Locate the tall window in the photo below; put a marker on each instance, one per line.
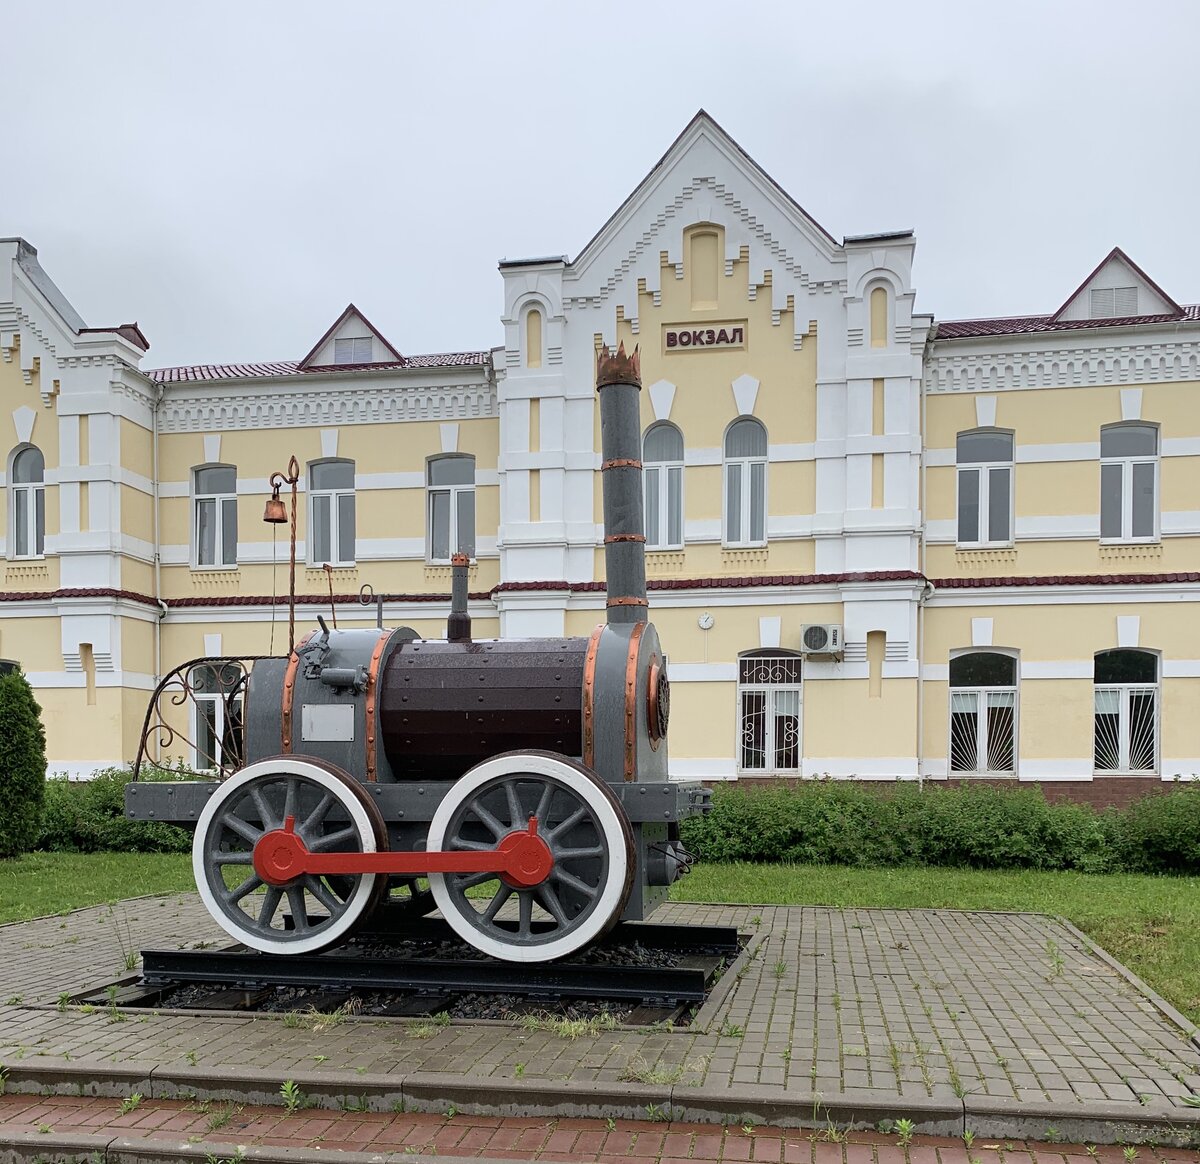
(1129, 482)
(983, 713)
(662, 456)
(27, 491)
(769, 701)
(331, 513)
(985, 487)
(1126, 728)
(217, 700)
(745, 483)
(451, 507)
(215, 515)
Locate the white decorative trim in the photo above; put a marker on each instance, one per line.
(1181, 668)
(662, 397)
(701, 673)
(745, 394)
(212, 448)
(709, 768)
(212, 644)
(858, 767)
(985, 411)
(448, 434)
(1057, 669)
(24, 418)
(1033, 768)
(1129, 630)
(935, 672)
(981, 632)
(1131, 404)
(959, 366)
(254, 407)
(329, 442)
(769, 631)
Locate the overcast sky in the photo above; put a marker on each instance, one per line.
(231, 174)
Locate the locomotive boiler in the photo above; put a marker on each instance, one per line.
(518, 786)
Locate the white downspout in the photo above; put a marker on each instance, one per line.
(162, 606)
(926, 587)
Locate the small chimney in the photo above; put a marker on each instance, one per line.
(619, 383)
(458, 625)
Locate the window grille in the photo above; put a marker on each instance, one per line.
(769, 714)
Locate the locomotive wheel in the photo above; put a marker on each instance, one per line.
(580, 821)
(332, 815)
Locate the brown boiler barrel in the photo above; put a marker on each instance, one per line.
(446, 706)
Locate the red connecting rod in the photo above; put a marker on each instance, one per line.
(521, 858)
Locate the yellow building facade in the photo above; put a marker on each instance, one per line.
(880, 546)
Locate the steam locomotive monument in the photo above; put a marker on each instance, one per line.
(525, 780)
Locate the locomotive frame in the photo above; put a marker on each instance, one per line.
(526, 781)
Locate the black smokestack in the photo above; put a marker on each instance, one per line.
(619, 382)
(458, 625)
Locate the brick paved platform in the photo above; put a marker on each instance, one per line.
(1011, 1025)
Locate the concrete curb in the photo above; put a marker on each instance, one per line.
(1105, 1122)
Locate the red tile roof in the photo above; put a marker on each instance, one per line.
(193, 372)
(1066, 580)
(1027, 324)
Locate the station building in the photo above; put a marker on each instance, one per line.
(880, 545)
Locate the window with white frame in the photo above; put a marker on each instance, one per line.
(746, 483)
(451, 488)
(331, 513)
(1126, 712)
(985, 487)
(27, 502)
(353, 350)
(769, 706)
(662, 460)
(214, 522)
(1113, 302)
(983, 713)
(1129, 482)
(217, 715)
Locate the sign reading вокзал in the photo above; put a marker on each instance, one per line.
(727, 334)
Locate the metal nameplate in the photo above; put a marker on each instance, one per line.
(327, 723)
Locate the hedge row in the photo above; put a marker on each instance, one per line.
(978, 826)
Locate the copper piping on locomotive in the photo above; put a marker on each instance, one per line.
(619, 384)
(458, 625)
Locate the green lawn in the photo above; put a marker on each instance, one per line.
(1152, 924)
(38, 884)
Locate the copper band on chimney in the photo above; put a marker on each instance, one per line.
(589, 698)
(621, 463)
(624, 538)
(627, 602)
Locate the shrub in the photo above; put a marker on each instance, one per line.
(22, 765)
(1160, 834)
(88, 816)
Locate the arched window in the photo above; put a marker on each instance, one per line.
(769, 707)
(879, 317)
(1126, 720)
(533, 338)
(27, 493)
(451, 489)
(662, 457)
(1129, 483)
(217, 703)
(985, 487)
(983, 713)
(745, 483)
(214, 520)
(331, 513)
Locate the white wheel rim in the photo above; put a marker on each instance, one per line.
(323, 935)
(612, 893)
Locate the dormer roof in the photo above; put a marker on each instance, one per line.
(1117, 272)
(322, 354)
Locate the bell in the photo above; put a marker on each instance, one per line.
(276, 511)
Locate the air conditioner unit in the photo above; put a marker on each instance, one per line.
(821, 638)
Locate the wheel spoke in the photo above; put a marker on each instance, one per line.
(289, 798)
(578, 854)
(317, 817)
(328, 841)
(474, 846)
(264, 813)
(549, 899)
(514, 803)
(468, 880)
(490, 822)
(271, 900)
(502, 895)
(222, 857)
(525, 920)
(588, 891)
(233, 896)
(295, 896)
(570, 822)
(542, 812)
(235, 824)
(322, 893)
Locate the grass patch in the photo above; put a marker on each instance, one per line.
(38, 884)
(1151, 924)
